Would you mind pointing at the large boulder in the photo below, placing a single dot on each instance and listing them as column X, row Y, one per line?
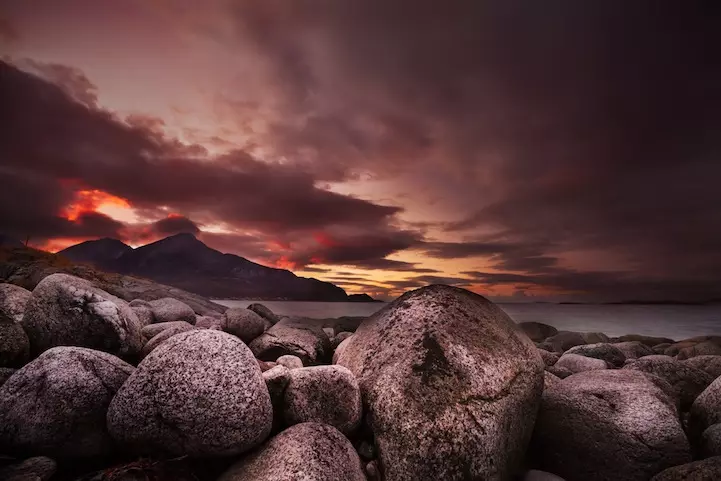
column 264, row 312
column 161, row 337
column 340, row 348
column 450, row 384
column 705, row 410
column 608, row 425
column 576, row 363
column 688, row 382
column 563, row 341
column 13, row 300
column 296, row 337
column 68, row 311
column 200, row 393
column 711, row 441
column 706, row 470
column 304, row 452
column 709, row 364
column 608, row 352
column 291, row 362
column 243, row 323
column 634, row 349
column 169, row 309
column 56, row 405
column 650, row 341
column 144, row 313
column 324, row 394
column 153, row 330
column 537, row 331
column 706, row 348
column 676, row 348
column 14, row 343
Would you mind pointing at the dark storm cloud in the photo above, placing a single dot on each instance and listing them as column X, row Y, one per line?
column 54, row 141
column 175, row 225
column 574, row 126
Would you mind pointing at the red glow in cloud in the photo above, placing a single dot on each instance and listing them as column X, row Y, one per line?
column 91, row 201
column 285, row 263
column 325, row 240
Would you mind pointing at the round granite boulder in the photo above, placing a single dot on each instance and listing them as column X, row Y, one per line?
column 650, row 341
column 56, row 405
column 706, row 348
column 153, row 330
column 169, row 309
column 13, row 300
column 324, row 394
column 687, row 381
column 14, row 343
column 144, row 313
column 68, row 311
column 576, row 363
column 711, row 441
column 605, row 351
column 340, row 337
column 537, row 331
column 304, row 452
column 634, row 349
column 200, row 393
column 264, row 312
column 243, row 323
column 340, row 348
column 705, row 410
column 563, row 341
column 711, row 365
column 706, row 470
column 161, row 337
column 608, row 425
column 296, row 337
column 291, row 362
column 450, row 384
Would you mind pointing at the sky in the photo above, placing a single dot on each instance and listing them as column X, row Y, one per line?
column 528, row 151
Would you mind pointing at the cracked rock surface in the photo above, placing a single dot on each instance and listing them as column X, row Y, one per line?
column 304, row 452
column 450, row 384
column 199, row 393
column 68, row 311
column 56, row 405
column 608, row 425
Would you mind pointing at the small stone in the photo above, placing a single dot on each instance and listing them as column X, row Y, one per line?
column 289, row 361
column 575, row 363
column 243, row 323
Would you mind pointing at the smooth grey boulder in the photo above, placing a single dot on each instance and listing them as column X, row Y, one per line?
column 537, row 331
column 549, row 358
column 710, row 364
column 711, row 441
column 40, row 468
column 207, row 322
column 450, row 384
column 145, row 314
column 576, row 363
column 687, row 381
column 340, row 337
column 153, row 330
column 13, row 300
column 562, row 341
column 56, row 405
column 243, row 323
column 608, row 425
column 634, row 349
column 200, row 393
column 341, row 347
column 296, row 337
column 304, row 452
column 169, row 309
column 605, row 351
column 264, row 312
column 14, row 343
column 706, row 470
column 323, row 394
column 650, row 341
column 161, row 337
column 68, row 311
column 291, row 362
column 5, row 373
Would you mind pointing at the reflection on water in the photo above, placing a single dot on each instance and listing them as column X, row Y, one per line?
column 676, row 322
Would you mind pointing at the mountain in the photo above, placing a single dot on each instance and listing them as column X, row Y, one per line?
column 361, row 298
column 185, row 262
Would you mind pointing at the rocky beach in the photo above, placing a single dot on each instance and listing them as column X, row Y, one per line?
column 439, row 385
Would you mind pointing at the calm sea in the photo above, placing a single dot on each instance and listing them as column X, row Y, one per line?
column 674, row 321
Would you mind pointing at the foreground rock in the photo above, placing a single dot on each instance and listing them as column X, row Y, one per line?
column 324, row 394
column 295, row 337
column 243, row 323
column 56, row 405
column 687, row 381
column 264, row 312
column 68, row 311
column 608, row 425
column 169, row 309
column 159, row 408
column 537, row 331
column 607, row 352
column 711, row 365
column 706, row 470
column 13, row 300
column 634, row 349
column 450, row 384
column 153, row 330
column 161, row 337
column 705, row 411
column 14, row 343
column 304, row 452
column 574, row 363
